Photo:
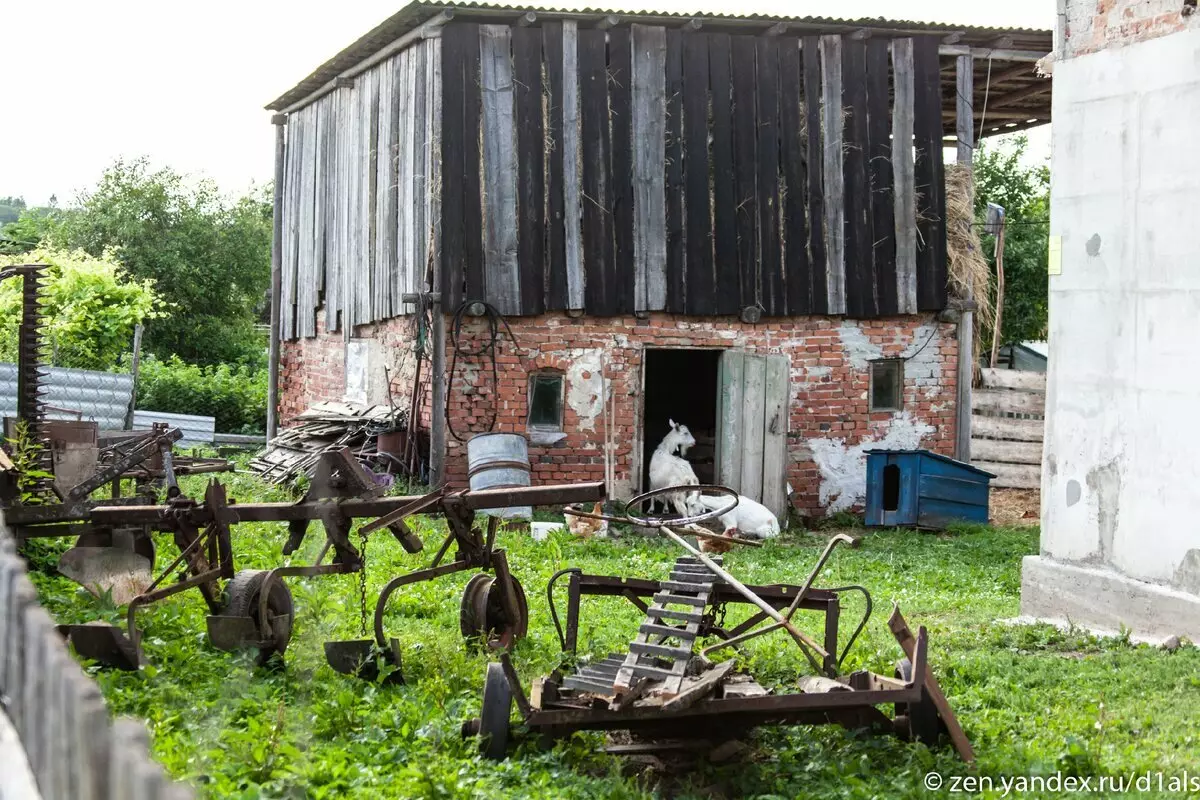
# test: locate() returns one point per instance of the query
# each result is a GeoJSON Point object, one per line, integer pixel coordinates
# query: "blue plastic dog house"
{"type": "Point", "coordinates": [917, 488]}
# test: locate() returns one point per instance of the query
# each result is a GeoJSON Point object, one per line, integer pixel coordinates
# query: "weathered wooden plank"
{"type": "Point", "coordinates": [531, 140]}
{"type": "Point", "coordinates": [964, 113]}
{"type": "Point", "coordinates": [700, 279]}
{"type": "Point", "coordinates": [556, 246]}
{"type": "Point", "coordinates": [724, 214]}
{"type": "Point", "coordinates": [404, 155]}
{"type": "Point", "coordinates": [387, 226]}
{"type": "Point", "coordinates": [1023, 430]}
{"type": "Point", "coordinates": [417, 277]}
{"type": "Point", "coordinates": [815, 196]}
{"type": "Point", "coordinates": [649, 166]}
{"type": "Point", "coordinates": [730, 376]}
{"type": "Point", "coordinates": [753, 426]}
{"type": "Point", "coordinates": [433, 137]}
{"type": "Point", "coordinates": [1014, 379]}
{"type": "Point", "coordinates": [1007, 452]}
{"type": "Point", "coordinates": [773, 299]}
{"type": "Point", "coordinates": [1012, 476]}
{"type": "Point", "coordinates": [930, 176]}
{"type": "Point", "coordinates": [620, 176]}
{"type": "Point", "coordinates": [331, 121]}
{"type": "Point", "coordinates": [462, 218]}
{"type": "Point", "coordinates": [368, 90]}
{"type": "Point", "coordinates": [745, 171]}
{"type": "Point", "coordinates": [674, 177]}
{"type": "Point", "coordinates": [287, 290]}
{"type": "Point", "coordinates": [860, 288]}
{"type": "Point", "coordinates": [775, 429]}
{"type": "Point", "coordinates": [879, 173]}
{"type": "Point", "coordinates": [572, 155]}
{"type": "Point", "coordinates": [306, 239]}
{"type": "Point", "coordinates": [321, 201]}
{"type": "Point", "coordinates": [905, 193]}
{"type": "Point", "coordinates": [834, 200]}
{"type": "Point", "coordinates": [502, 274]}
{"type": "Point", "coordinates": [1008, 401]}
{"type": "Point", "coordinates": [600, 291]}
{"type": "Point", "coordinates": [796, 276]}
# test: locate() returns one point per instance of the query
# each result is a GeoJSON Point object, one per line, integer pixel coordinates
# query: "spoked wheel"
{"type": "Point", "coordinates": [917, 721]}
{"type": "Point", "coordinates": [244, 592]}
{"type": "Point", "coordinates": [494, 716]}
{"type": "Point", "coordinates": [482, 617]}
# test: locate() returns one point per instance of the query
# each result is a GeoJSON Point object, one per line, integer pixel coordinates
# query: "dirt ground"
{"type": "Point", "coordinates": [1016, 506]}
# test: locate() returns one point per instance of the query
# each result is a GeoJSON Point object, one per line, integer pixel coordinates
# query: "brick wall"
{"type": "Point", "coordinates": [829, 420]}
{"type": "Point", "coordinates": [1093, 25]}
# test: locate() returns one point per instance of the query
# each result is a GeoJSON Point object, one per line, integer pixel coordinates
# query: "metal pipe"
{"type": "Point", "coordinates": [280, 123]}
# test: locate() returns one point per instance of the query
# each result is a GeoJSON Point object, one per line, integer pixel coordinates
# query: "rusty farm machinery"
{"type": "Point", "coordinates": [669, 695]}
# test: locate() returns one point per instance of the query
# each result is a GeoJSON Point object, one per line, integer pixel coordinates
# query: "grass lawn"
{"type": "Point", "coordinates": [1033, 700]}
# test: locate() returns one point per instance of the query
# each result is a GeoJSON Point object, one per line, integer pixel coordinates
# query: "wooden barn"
{"type": "Point", "coordinates": [738, 223]}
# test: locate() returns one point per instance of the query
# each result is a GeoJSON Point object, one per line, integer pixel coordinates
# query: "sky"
{"type": "Point", "coordinates": [185, 83]}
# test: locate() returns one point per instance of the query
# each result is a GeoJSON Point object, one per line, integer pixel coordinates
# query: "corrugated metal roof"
{"type": "Point", "coordinates": [413, 14]}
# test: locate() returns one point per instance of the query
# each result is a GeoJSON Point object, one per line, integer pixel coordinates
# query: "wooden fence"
{"type": "Point", "coordinates": [1007, 425]}
{"type": "Point", "coordinates": [74, 750]}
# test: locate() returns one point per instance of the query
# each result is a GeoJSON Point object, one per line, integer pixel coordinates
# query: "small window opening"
{"type": "Point", "coordinates": [887, 385]}
{"type": "Point", "coordinates": [891, 487]}
{"type": "Point", "coordinates": [546, 401]}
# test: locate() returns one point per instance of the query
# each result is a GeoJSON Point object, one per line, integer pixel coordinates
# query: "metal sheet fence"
{"type": "Point", "coordinates": [100, 396]}
{"type": "Point", "coordinates": [74, 750]}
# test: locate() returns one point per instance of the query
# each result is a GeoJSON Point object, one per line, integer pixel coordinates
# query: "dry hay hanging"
{"type": "Point", "coordinates": [970, 272]}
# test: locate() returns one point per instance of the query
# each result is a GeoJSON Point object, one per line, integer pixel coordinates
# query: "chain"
{"type": "Point", "coordinates": [719, 610]}
{"type": "Point", "coordinates": [362, 584]}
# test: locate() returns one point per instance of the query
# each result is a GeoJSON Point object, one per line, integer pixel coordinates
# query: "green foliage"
{"type": "Point", "coordinates": [208, 257]}
{"type": "Point", "coordinates": [1002, 177]}
{"type": "Point", "coordinates": [235, 395]}
{"type": "Point", "coordinates": [27, 459]}
{"type": "Point", "coordinates": [10, 209]}
{"type": "Point", "coordinates": [91, 308]}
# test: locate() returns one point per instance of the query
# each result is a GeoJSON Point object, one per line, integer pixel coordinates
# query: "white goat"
{"type": "Point", "coordinates": [667, 469]}
{"type": "Point", "coordinates": [748, 517]}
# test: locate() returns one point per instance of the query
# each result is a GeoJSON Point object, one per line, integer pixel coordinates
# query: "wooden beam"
{"type": "Point", "coordinates": [832, 124]}
{"type": "Point", "coordinates": [778, 29]}
{"type": "Point", "coordinates": [905, 194]}
{"type": "Point", "coordinates": [1022, 380]}
{"type": "Point", "coordinates": [965, 111]}
{"type": "Point", "coordinates": [966, 324]}
{"type": "Point", "coordinates": [1012, 476]}
{"type": "Point", "coordinates": [608, 21]}
{"type": "Point", "coordinates": [692, 25]}
{"type": "Point", "coordinates": [1015, 114]}
{"type": "Point", "coordinates": [1007, 452]}
{"type": "Point", "coordinates": [1013, 98]}
{"type": "Point", "coordinates": [526, 19]}
{"type": "Point", "coordinates": [1023, 70]}
{"type": "Point", "coordinates": [992, 53]}
{"type": "Point", "coordinates": [1007, 428]}
{"type": "Point", "coordinates": [1015, 128]}
{"type": "Point", "coordinates": [954, 38]}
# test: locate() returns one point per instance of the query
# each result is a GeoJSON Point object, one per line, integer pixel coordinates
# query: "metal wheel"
{"type": "Point", "coordinates": [918, 721]}
{"type": "Point", "coordinates": [494, 716]}
{"type": "Point", "coordinates": [243, 593]}
{"type": "Point", "coordinates": [481, 614]}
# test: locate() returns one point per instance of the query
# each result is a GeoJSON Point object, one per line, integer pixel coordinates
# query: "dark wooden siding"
{"type": "Point", "coordinates": [742, 171]}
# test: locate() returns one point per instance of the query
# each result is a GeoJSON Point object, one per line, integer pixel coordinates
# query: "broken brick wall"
{"type": "Point", "coordinates": [1093, 25]}
{"type": "Point", "coordinates": [830, 424]}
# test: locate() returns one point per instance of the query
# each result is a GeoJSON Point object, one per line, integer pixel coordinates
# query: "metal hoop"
{"type": "Point", "coordinates": [656, 522]}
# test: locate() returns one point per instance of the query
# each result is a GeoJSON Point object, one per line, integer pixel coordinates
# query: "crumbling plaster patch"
{"type": "Point", "coordinates": [844, 467]}
{"type": "Point", "coordinates": [585, 384]}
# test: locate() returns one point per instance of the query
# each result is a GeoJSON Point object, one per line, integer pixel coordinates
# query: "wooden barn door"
{"type": "Point", "coordinates": [752, 422]}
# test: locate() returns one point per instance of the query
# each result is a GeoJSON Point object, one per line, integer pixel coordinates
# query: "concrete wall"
{"type": "Point", "coordinates": [1121, 478]}
{"type": "Point", "coordinates": [829, 421]}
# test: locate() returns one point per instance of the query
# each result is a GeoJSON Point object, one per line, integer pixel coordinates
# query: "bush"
{"type": "Point", "coordinates": [236, 396]}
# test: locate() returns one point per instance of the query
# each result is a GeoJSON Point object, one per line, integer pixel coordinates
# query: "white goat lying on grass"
{"type": "Point", "coordinates": [749, 518]}
{"type": "Point", "coordinates": [668, 469]}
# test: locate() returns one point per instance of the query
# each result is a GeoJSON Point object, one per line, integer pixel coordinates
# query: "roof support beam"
{"type": "Point", "coordinates": [1012, 98]}
{"type": "Point", "coordinates": [427, 30]}
{"type": "Point", "coordinates": [993, 54]}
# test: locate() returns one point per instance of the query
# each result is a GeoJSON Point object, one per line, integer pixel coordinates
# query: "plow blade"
{"type": "Point", "coordinates": [363, 658]}
{"type": "Point", "coordinates": [104, 643]}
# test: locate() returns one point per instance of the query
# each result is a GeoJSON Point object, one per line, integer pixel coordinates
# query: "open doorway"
{"type": "Point", "coordinates": [681, 385]}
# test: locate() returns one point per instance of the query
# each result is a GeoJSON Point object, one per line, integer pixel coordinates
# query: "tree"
{"type": "Point", "coordinates": [1003, 177]}
{"type": "Point", "coordinates": [29, 230]}
{"type": "Point", "coordinates": [208, 258]}
{"type": "Point", "coordinates": [10, 209]}
{"type": "Point", "coordinates": [90, 308]}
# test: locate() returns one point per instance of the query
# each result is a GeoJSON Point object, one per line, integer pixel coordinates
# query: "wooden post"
{"type": "Point", "coordinates": [280, 123]}
{"type": "Point", "coordinates": [966, 322]}
{"type": "Point", "coordinates": [437, 414]}
{"type": "Point", "coordinates": [133, 371]}
{"type": "Point", "coordinates": [999, 293]}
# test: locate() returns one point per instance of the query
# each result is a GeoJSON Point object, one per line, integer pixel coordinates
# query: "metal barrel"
{"type": "Point", "coordinates": [499, 461]}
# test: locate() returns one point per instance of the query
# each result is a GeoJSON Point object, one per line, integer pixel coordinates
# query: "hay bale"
{"type": "Point", "coordinates": [970, 272]}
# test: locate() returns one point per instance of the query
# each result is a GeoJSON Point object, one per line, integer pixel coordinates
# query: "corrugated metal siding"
{"type": "Point", "coordinates": [195, 430]}
{"type": "Point", "coordinates": [100, 396]}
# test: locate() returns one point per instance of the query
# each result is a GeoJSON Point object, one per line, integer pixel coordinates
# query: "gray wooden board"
{"type": "Point", "coordinates": [965, 114]}
{"type": "Point", "coordinates": [499, 170]}
{"type": "Point", "coordinates": [387, 185]}
{"type": "Point", "coordinates": [572, 166]}
{"type": "Point", "coordinates": [904, 196]}
{"type": "Point", "coordinates": [649, 167]}
{"type": "Point", "coordinates": [1014, 379]}
{"type": "Point", "coordinates": [1012, 476]}
{"type": "Point", "coordinates": [1021, 430]}
{"type": "Point", "coordinates": [1005, 451]}
{"type": "Point", "coordinates": [831, 130]}
{"type": "Point", "coordinates": [1008, 401]}
{"type": "Point", "coordinates": [753, 401]}
{"type": "Point", "coordinates": [405, 172]}
{"type": "Point", "coordinates": [433, 138]}
{"type": "Point", "coordinates": [775, 420]}
{"type": "Point", "coordinates": [729, 417]}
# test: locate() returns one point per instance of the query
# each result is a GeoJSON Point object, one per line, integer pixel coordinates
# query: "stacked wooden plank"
{"type": "Point", "coordinates": [1007, 426]}
{"type": "Point", "coordinates": [325, 426]}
